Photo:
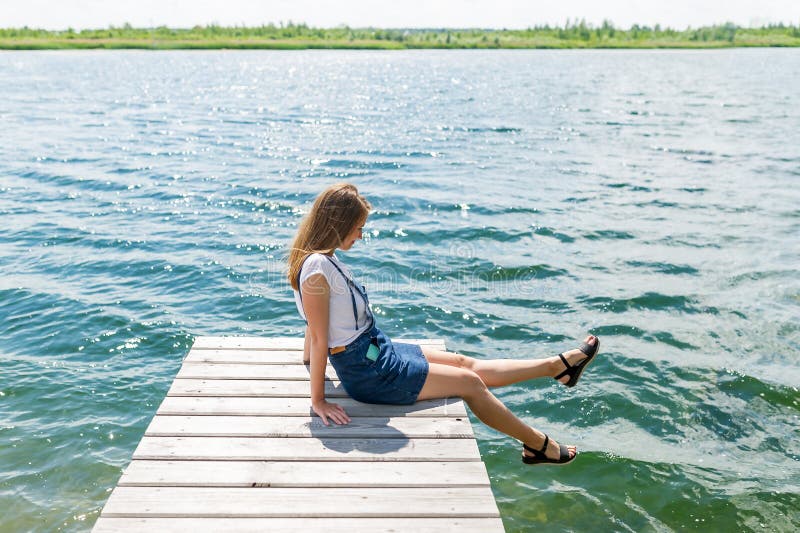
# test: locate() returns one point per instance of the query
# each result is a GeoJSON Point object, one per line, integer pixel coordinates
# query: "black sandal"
{"type": "Point", "coordinates": [574, 372]}
{"type": "Point", "coordinates": [539, 456]}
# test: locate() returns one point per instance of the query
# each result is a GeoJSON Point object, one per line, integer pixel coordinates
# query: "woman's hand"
{"type": "Point", "coordinates": [333, 411]}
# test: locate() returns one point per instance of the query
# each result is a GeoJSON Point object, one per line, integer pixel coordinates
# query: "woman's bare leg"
{"type": "Point", "coordinates": [501, 372]}
{"type": "Point", "coordinates": [446, 381]}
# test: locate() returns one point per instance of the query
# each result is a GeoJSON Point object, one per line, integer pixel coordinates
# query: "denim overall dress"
{"type": "Point", "coordinates": [392, 374]}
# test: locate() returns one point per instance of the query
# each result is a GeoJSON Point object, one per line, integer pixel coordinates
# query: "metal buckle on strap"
{"type": "Point", "coordinates": [336, 349]}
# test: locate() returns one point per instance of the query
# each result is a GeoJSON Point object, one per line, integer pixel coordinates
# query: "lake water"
{"type": "Point", "coordinates": [522, 199]}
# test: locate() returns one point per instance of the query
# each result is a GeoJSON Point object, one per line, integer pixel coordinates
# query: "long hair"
{"type": "Point", "coordinates": [337, 211]}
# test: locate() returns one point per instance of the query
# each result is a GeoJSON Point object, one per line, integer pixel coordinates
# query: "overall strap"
{"type": "Point", "coordinates": [350, 286]}
{"type": "Point", "coordinates": [300, 289]}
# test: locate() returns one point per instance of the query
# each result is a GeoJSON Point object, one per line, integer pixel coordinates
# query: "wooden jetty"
{"type": "Point", "coordinates": [235, 447]}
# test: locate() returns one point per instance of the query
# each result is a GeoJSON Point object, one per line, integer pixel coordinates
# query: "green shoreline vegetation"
{"type": "Point", "coordinates": [291, 36]}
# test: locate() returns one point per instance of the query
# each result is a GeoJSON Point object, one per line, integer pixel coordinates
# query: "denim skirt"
{"type": "Point", "coordinates": [395, 376]}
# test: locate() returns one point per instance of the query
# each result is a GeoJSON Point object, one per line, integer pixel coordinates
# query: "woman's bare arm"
{"type": "Point", "coordinates": [316, 306]}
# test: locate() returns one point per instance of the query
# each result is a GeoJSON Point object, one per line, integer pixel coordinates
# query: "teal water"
{"type": "Point", "coordinates": [522, 199]}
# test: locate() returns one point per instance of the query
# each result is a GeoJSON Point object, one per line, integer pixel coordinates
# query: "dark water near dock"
{"type": "Point", "coordinates": [522, 199]}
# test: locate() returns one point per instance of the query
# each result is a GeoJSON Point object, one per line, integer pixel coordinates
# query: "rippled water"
{"type": "Point", "coordinates": [522, 199]}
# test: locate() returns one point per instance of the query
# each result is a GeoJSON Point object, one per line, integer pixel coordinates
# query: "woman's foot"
{"type": "Point", "coordinates": [575, 358]}
{"type": "Point", "coordinates": [548, 452]}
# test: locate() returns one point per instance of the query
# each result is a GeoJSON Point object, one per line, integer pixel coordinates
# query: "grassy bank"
{"type": "Point", "coordinates": [301, 36]}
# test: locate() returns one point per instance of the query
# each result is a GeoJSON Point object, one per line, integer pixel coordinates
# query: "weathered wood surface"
{"type": "Point", "coordinates": [300, 502]}
{"type": "Point", "coordinates": [235, 447]}
{"type": "Point", "coordinates": [248, 371]}
{"type": "Point", "coordinates": [145, 473]}
{"type": "Point", "coordinates": [301, 406]}
{"type": "Point", "coordinates": [277, 343]}
{"type": "Point", "coordinates": [305, 449]}
{"type": "Point", "coordinates": [299, 426]}
{"type": "Point", "coordinates": [305, 525]}
{"type": "Point", "coordinates": [249, 388]}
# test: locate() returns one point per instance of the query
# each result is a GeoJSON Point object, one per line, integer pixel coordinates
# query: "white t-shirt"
{"type": "Point", "coordinates": [341, 326]}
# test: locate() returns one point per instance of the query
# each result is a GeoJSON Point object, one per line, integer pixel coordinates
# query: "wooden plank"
{"type": "Point", "coordinates": [304, 474]}
{"type": "Point", "coordinates": [176, 405]}
{"type": "Point", "coordinates": [247, 343]}
{"type": "Point", "coordinates": [234, 371]}
{"type": "Point", "coordinates": [306, 525]}
{"type": "Point", "coordinates": [254, 357]}
{"type": "Point", "coordinates": [191, 370]}
{"type": "Point", "coordinates": [276, 343]}
{"type": "Point", "coordinates": [463, 502]}
{"type": "Point", "coordinates": [305, 449]}
{"type": "Point", "coordinates": [250, 387]}
{"type": "Point", "coordinates": [307, 426]}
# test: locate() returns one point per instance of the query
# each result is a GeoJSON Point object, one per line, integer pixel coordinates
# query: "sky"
{"type": "Point", "coordinates": [679, 14]}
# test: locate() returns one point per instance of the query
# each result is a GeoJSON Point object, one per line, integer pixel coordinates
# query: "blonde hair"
{"type": "Point", "coordinates": [337, 211]}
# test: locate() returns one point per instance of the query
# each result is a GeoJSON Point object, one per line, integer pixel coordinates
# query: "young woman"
{"type": "Point", "coordinates": [373, 369]}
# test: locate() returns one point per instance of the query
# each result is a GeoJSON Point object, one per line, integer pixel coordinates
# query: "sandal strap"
{"type": "Point", "coordinates": [543, 451]}
{"type": "Point", "coordinates": [566, 372]}
{"type": "Point", "coordinates": [540, 452]}
{"type": "Point", "coordinates": [529, 449]}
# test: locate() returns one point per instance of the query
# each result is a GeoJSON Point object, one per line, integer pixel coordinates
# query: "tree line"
{"type": "Point", "coordinates": [573, 33]}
